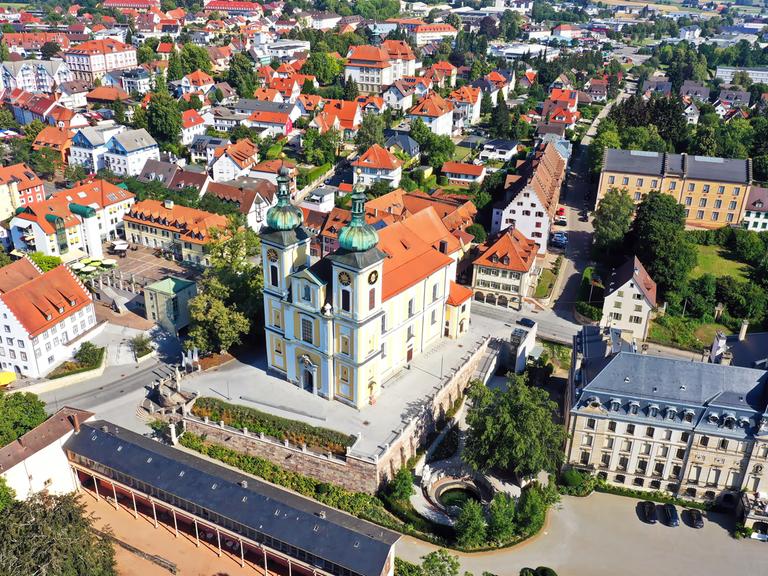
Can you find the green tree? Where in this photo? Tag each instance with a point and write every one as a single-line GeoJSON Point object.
{"type": "Point", "coordinates": [513, 430]}
{"type": "Point", "coordinates": [45, 162]}
{"type": "Point", "coordinates": [379, 188]}
{"type": "Point", "coordinates": [164, 118]}
{"type": "Point", "coordinates": [478, 232]}
{"type": "Point", "coordinates": [440, 563]}
{"type": "Point", "coordinates": [401, 486]}
{"type": "Point", "coordinates": [7, 494]}
{"type": "Point", "coordinates": [49, 50]}
{"type": "Point", "coordinates": [486, 104]}
{"type": "Point", "coordinates": [43, 261]}
{"type": "Point", "coordinates": [53, 535]}
{"type": "Point", "coordinates": [605, 139]}
{"type": "Point", "coordinates": [438, 150]}
{"type": "Point", "coordinates": [658, 239]}
{"type": "Point", "coordinates": [145, 54]}
{"type": "Point", "coordinates": [371, 132]}
{"type": "Point", "coordinates": [323, 66]}
{"type": "Point", "coordinates": [350, 90]}
{"type": "Point", "coordinates": [470, 525]}
{"type": "Point", "coordinates": [501, 518]}
{"type": "Point", "coordinates": [4, 258]}
{"type": "Point", "coordinates": [32, 129]}
{"type": "Point", "coordinates": [193, 58]}
{"type": "Point", "coordinates": [7, 121]}
{"type": "Point", "coordinates": [175, 69]}
{"type": "Point", "coordinates": [704, 140]}
{"type": "Point", "coordinates": [613, 220]}
{"type": "Point", "coordinates": [319, 148]}
{"type": "Point", "coordinates": [19, 413]}
{"type": "Point", "coordinates": [215, 327]}
{"type": "Point", "coordinates": [241, 75]}
{"type": "Point", "coordinates": [500, 120]}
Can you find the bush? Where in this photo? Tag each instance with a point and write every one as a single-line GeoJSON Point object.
{"type": "Point", "coordinates": [653, 496]}
{"type": "Point", "coordinates": [572, 478]}
{"type": "Point", "coordinates": [141, 345]}
{"type": "Point", "coordinates": [589, 311]}
{"type": "Point", "coordinates": [401, 486]}
{"type": "Point", "coordinates": [471, 529]}
{"type": "Point", "coordinates": [88, 354]}
{"type": "Point", "coordinates": [88, 357]}
{"type": "Point", "coordinates": [447, 447]}
{"type": "Point", "coordinates": [742, 531]}
{"type": "Point", "coordinates": [405, 568]}
{"type": "Point", "coordinates": [298, 433]}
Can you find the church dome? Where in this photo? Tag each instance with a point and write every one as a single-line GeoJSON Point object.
{"type": "Point", "coordinates": [358, 236]}
{"type": "Point", "coordinates": [284, 216]}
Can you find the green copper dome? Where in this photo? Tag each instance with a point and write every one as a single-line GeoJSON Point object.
{"type": "Point", "coordinates": [284, 216]}
{"type": "Point", "coordinates": [357, 236]}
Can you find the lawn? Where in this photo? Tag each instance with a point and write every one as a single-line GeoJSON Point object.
{"type": "Point", "coordinates": [546, 282]}
{"type": "Point", "coordinates": [717, 261]}
{"type": "Point", "coordinates": [706, 332]}
{"type": "Point", "coordinates": [684, 333]}
{"type": "Point", "coordinates": [461, 153]}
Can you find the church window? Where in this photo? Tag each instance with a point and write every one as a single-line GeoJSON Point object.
{"type": "Point", "coordinates": [306, 330]}
{"type": "Point", "coordinates": [434, 316]}
{"type": "Point", "coordinates": [372, 299]}
{"type": "Point", "coordinates": [344, 374]}
{"type": "Point", "coordinates": [306, 293]}
{"type": "Point", "coordinates": [273, 276]}
{"type": "Point", "coordinates": [346, 300]}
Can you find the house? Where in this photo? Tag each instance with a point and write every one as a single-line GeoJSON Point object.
{"type": "Point", "coordinates": [691, 113]}
{"type": "Point", "coordinates": [269, 170]}
{"type": "Point", "coordinates": [234, 160]}
{"type": "Point", "coordinates": [203, 148]}
{"type": "Point", "coordinates": [502, 272]}
{"type": "Point", "coordinates": [463, 174]}
{"type": "Point", "coordinates": [274, 123]}
{"type": "Point", "coordinates": [36, 461]}
{"type": "Point", "coordinates": [567, 100]}
{"type": "Point", "coordinates": [528, 79]}
{"type": "Point", "coordinates": [89, 145]}
{"type": "Point", "coordinates": [401, 57]}
{"type": "Point", "coordinates": [128, 151]}
{"type": "Point", "coordinates": [106, 95]}
{"type": "Point", "coordinates": [72, 94]}
{"type": "Point", "coordinates": [136, 81]}
{"type": "Point", "coordinates": [566, 32]}
{"type": "Point", "coordinates": [46, 317]}
{"type": "Point", "coordinates": [377, 164]}
{"type": "Point", "coordinates": [158, 171]}
{"type": "Point", "coordinates": [499, 149]}
{"type": "Point", "coordinates": [371, 104]}
{"type": "Point", "coordinates": [443, 74]}
{"type": "Point", "coordinates": [56, 139]}
{"type": "Point", "coordinates": [466, 106]}
{"type": "Point", "coordinates": [402, 142]}
{"type": "Point", "coordinates": [253, 198]}
{"type": "Point", "coordinates": [190, 179]}
{"type": "Point", "coordinates": [630, 299]}
{"type": "Point", "coordinates": [184, 232]}
{"type": "Point", "coordinates": [531, 196]}
{"type": "Point", "coordinates": [197, 82]}
{"type": "Point", "coordinates": [659, 85]}
{"type": "Point", "coordinates": [268, 95]}
{"type": "Point", "coordinates": [694, 91]}
{"type": "Point", "coordinates": [30, 43]}
{"type": "Point", "coordinates": [399, 96]}
{"type": "Point", "coordinates": [689, 33]}
{"type": "Point", "coordinates": [26, 186]}
{"type": "Point", "coordinates": [93, 59]}
{"type": "Point", "coordinates": [597, 88]}
{"type": "Point", "coordinates": [167, 302]}
{"type": "Point", "coordinates": [192, 124]}
{"type": "Point", "coordinates": [370, 68]}
{"type": "Point", "coordinates": [424, 34]}
{"type": "Point", "coordinates": [756, 209]}
{"type": "Point", "coordinates": [342, 115]}
{"type": "Point", "coordinates": [736, 98]}
{"type": "Point", "coordinates": [34, 76]}
{"type": "Point", "coordinates": [435, 112]}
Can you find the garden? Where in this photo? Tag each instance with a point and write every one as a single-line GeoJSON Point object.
{"type": "Point", "coordinates": [88, 357]}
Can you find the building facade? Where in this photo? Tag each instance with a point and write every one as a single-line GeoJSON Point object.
{"type": "Point", "coordinates": [756, 212]}
{"type": "Point", "coordinates": [128, 151]}
{"type": "Point", "coordinates": [630, 299]}
{"type": "Point", "coordinates": [167, 302]}
{"type": "Point", "coordinates": [35, 76]}
{"type": "Point", "coordinates": [93, 59]}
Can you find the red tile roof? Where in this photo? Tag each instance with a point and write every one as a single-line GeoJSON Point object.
{"type": "Point", "coordinates": [191, 118]}
{"type": "Point", "coordinates": [511, 250]}
{"type": "Point", "coordinates": [378, 157]}
{"type": "Point", "coordinates": [398, 49]}
{"type": "Point", "coordinates": [368, 56]}
{"type": "Point", "coordinates": [192, 224]}
{"type": "Point", "coordinates": [458, 294]}
{"type": "Point", "coordinates": [466, 94]}
{"type": "Point", "coordinates": [108, 46]}
{"type": "Point", "coordinates": [199, 78]}
{"type": "Point", "coordinates": [107, 94]}
{"type": "Point", "coordinates": [432, 105]}
{"type": "Point", "coordinates": [24, 176]}
{"type": "Point", "coordinates": [462, 168]}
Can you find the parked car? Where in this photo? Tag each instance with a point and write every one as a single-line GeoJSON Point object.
{"type": "Point", "coordinates": [670, 515]}
{"type": "Point", "coordinates": [560, 211]}
{"type": "Point", "coordinates": [648, 511]}
{"type": "Point", "coordinates": [561, 222]}
{"type": "Point", "coordinates": [527, 322]}
{"type": "Point", "coordinates": [697, 520]}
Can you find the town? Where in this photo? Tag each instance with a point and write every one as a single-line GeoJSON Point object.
{"type": "Point", "coordinates": [383, 288]}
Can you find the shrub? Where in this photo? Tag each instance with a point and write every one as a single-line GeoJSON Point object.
{"type": "Point", "coordinates": [298, 433]}
{"type": "Point", "coordinates": [654, 495]}
{"type": "Point", "coordinates": [589, 311]}
{"type": "Point", "coordinates": [742, 531]}
{"type": "Point", "coordinates": [471, 529]}
{"type": "Point", "coordinates": [141, 345]}
{"type": "Point", "coordinates": [401, 486]}
{"type": "Point", "coordinates": [572, 478]}
{"type": "Point", "coordinates": [88, 357]}
{"type": "Point", "coordinates": [405, 568]}
{"type": "Point", "coordinates": [88, 354]}
{"type": "Point", "coordinates": [447, 447]}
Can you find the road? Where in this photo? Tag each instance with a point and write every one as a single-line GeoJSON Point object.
{"type": "Point", "coordinates": [601, 535]}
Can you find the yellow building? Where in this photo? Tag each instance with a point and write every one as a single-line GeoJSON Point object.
{"type": "Point", "coordinates": [712, 190]}
{"type": "Point", "coordinates": [342, 326]}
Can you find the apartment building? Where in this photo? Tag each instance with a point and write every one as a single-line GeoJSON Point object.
{"type": "Point", "coordinates": [93, 59]}
{"type": "Point", "coordinates": [630, 298]}
{"type": "Point", "coordinates": [714, 191]}
{"type": "Point", "coordinates": [89, 145]}
{"type": "Point", "coordinates": [128, 151]}
{"type": "Point", "coordinates": [370, 68]}
{"type": "Point", "coordinates": [24, 186]}
{"type": "Point", "coordinates": [30, 43]}
{"type": "Point", "coordinates": [424, 34]}
{"type": "Point", "coordinates": [35, 76]}
{"type": "Point", "coordinates": [697, 432]}
{"type": "Point", "coordinates": [756, 213]}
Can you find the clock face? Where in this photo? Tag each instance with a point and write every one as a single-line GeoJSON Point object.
{"type": "Point", "coordinates": [372, 277]}
{"type": "Point", "coordinates": [272, 255]}
{"type": "Point", "coordinates": [345, 279]}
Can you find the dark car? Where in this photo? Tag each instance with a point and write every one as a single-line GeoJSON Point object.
{"type": "Point", "coordinates": [527, 322]}
{"type": "Point", "coordinates": [697, 520]}
{"type": "Point", "coordinates": [648, 510]}
{"type": "Point", "coordinates": [670, 514]}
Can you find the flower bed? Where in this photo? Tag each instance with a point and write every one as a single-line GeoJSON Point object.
{"type": "Point", "coordinates": [297, 433]}
{"type": "Point", "coordinates": [89, 357]}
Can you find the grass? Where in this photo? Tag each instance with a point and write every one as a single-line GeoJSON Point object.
{"type": "Point", "coordinates": [274, 151]}
{"type": "Point", "coordinates": [78, 365]}
{"type": "Point", "coordinates": [461, 153]}
{"type": "Point", "coordinates": [706, 332]}
{"type": "Point", "coordinates": [546, 282]}
{"type": "Point", "coordinates": [558, 354]}
{"type": "Point", "coordinates": [684, 333]}
{"type": "Point", "coordinates": [717, 261]}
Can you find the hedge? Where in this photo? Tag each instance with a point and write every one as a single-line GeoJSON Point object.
{"type": "Point", "coordinates": [71, 367]}
{"type": "Point", "coordinates": [306, 177]}
{"type": "Point", "coordinates": [653, 496]}
{"type": "Point", "coordinates": [298, 433]}
{"type": "Point", "coordinates": [591, 312]}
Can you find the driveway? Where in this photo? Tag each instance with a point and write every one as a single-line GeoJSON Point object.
{"type": "Point", "coordinates": [601, 535]}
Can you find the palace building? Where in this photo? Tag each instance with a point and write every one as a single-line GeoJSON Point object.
{"type": "Point", "coordinates": [343, 325]}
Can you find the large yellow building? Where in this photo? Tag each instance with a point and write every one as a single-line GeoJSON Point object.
{"type": "Point", "coordinates": [342, 326]}
{"type": "Point", "coordinates": [712, 190]}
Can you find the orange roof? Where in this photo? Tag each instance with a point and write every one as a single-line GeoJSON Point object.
{"type": "Point", "coordinates": [199, 78]}
{"type": "Point", "coordinates": [432, 105]}
{"type": "Point", "coordinates": [24, 176]}
{"type": "Point", "coordinates": [192, 224]}
{"type": "Point", "coordinates": [444, 66]}
{"type": "Point", "coordinates": [378, 157]}
{"type": "Point", "coordinates": [345, 110]}
{"type": "Point", "coordinates": [18, 272]}
{"type": "Point", "coordinates": [266, 94]}
{"type": "Point", "coordinates": [462, 168]}
{"type": "Point", "coordinates": [434, 28]}
{"type": "Point", "coordinates": [108, 46]}
{"type": "Point", "coordinates": [268, 117]}
{"type": "Point", "coordinates": [467, 94]}
{"type": "Point", "coordinates": [530, 75]}
{"type": "Point", "coordinates": [47, 299]}
{"type": "Point", "coordinates": [165, 48]}
{"type": "Point", "coordinates": [368, 56]}
{"type": "Point", "coordinates": [561, 95]}
{"type": "Point", "coordinates": [107, 94]}
{"type": "Point", "coordinates": [53, 137]}
{"type": "Point", "coordinates": [376, 101]}
{"type": "Point", "coordinates": [310, 101]}
{"type": "Point", "coordinates": [458, 294]}
{"type": "Point", "coordinates": [243, 152]}
{"type": "Point", "coordinates": [398, 49]}
{"type": "Point", "coordinates": [510, 251]}
{"type": "Point", "coordinates": [272, 166]}
{"type": "Point", "coordinates": [191, 118]}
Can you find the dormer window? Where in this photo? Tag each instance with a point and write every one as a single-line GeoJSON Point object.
{"type": "Point", "coordinates": [615, 404]}
{"type": "Point", "coordinates": [306, 293]}
{"type": "Point", "coordinates": [688, 417]}
{"type": "Point", "coordinates": [633, 408]}
{"type": "Point", "coordinates": [653, 411]}
{"type": "Point", "coordinates": [594, 402]}
{"type": "Point", "coordinates": [671, 412]}
{"type": "Point", "coordinates": [713, 418]}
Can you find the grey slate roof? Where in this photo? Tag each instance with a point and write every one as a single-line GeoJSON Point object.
{"type": "Point", "coordinates": [132, 140]}
{"type": "Point", "coordinates": [661, 163]}
{"type": "Point", "coordinates": [349, 542]}
{"type": "Point", "coordinates": [758, 199]}
{"type": "Point", "coordinates": [404, 142]}
{"type": "Point", "coordinates": [51, 66]}
{"type": "Point", "coordinates": [158, 170]}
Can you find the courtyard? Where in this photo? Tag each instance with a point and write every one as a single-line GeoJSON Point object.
{"type": "Point", "coordinates": [141, 263]}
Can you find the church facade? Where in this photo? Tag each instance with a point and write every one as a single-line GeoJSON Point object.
{"type": "Point", "coordinates": [343, 325]}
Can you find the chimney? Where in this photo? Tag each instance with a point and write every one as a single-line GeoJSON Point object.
{"type": "Point", "coordinates": [73, 418]}
{"type": "Point", "coordinates": [726, 358]}
{"type": "Point", "coordinates": [168, 204]}
{"type": "Point", "coordinates": [743, 330]}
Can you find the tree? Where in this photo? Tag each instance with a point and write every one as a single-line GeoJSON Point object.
{"type": "Point", "coordinates": [53, 535]}
{"type": "Point", "coordinates": [19, 413]}
{"type": "Point", "coordinates": [323, 66]}
{"type": "Point", "coordinates": [7, 494]}
{"type": "Point", "coordinates": [371, 132]}
{"type": "Point", "coordinates": [401, 486]}
{"type": "Point", "coordinates": [4, 258]}
{"type": "Point", "coordinates": [43, 261]}
{"type": "Point", "coordinates": [7, 121]}
{"type": "Point", "coordinates": [440, 563]}
{"type": "Point", "coordinates": [605, 139]}
{"type": "Point", "coordinates": [379, 188]}
{"type": "Point", "coordinates": [500, 120]}
{"type": "Point", "coordinates": [470, 525]}
{"type": "Point", "coordinates": [478, 232]}
{"type": "Point", "coordinates": [49, 50]}
{"type": "Point", "coordinates": [145, 54]}
{"type": "Point", "coordinates": [613, 220]}
{"type": "Point", "coordinates": [658, 239]}
{"type": "Point", "coordinates": [193, 58]}
{"type": "Point", "coordinates": [45, 162]}
{"type": "Point", "coordinates": [321, 148]}
{"type": "Point", "coordinates": [501, 518]}
{"type": "Point", "coordinates": [164, 118]}
{"type": "Point", "coordinates": [486, 104]}
{"type": "Point", "coordinates": [241, 75]}
{"type": "Point", "coordinates": [420, 132]}
{"type": "Point", "coordinates": [350, 91]}
{"type": "Point", "coordinates": [32, 129]}
{"type": "Point", "coordinates": [215, 326]}
{"type": "Point", "coordinates": [513, 429]}
{"type": "Point", "coordinates": [175, 69]}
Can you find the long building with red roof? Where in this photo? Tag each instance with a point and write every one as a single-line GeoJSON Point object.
{"type": "Point", "coordinates": [93, 59]}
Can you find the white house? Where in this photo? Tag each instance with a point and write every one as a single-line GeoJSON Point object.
{"type": "Point", "coordinates": [463, 174]}
{"type": "Point", "coordinates": [192, 124]}
{"type": "Point", "coordinates": [253, 198]}
{"type": "Point", "coordinates": [377, 164]}
{"type": "Point", "coordinates": [370, 68]}
{"type": "Point", "coordinates": [630, 298]}
{"type": "Point", "coordinates": [93, 59]}
{"type": "Point", "coordinates": [692, 113]}
{"type": "Point", "coordinates": [756, 209]}
{"type": "Point", "coordinates": [466, 106]}
{"type": "Point", "coordinates": [436, 112]}
{"type": "Point", "coordinates": [196, 82]}
{"type": "Point", "coordinates": [89, 145]}
{"type": "Point", "coordinates": [35, 75]}
{"type": "Point", "coordinates": [399, 96]}
{"type": "Point", "coordinates": [128, 151]}
{"type": "Point", "coordinates": [427, 33]}
{"type": "Point", "coordinates": [45, 317]}
{"type": "Point", "coordinates": [37, 460]}
{"type": "Point", "coordinates": [235, 161]}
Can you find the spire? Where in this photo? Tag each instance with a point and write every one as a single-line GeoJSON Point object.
{"type": "Point", "coordinates": [284, 216]}
{"type": "Point", "coordinates": [358, 236]}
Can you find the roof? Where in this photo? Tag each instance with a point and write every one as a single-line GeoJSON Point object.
{"type": "Point", "coordinates": [458, 294]}
{"type": "Point", "coordinates": [243, 196]}
{"type": "Point", "coordinates": [170, 285]}
{"type": "Point", "coordinates": [432, 105]}
{"type": "Point", "coordinates": [192, 224]}
{"type": "Point", "coordinates": [132, 140]}
{"type": "Point", "coordinates": [96, 191]}
{"type": "Point", "coordinates": [53, 137]}
{"type": "Point", "coordinates": [427, 28]}
{"type": "Point", "coordinates": [45, 300]}
{"type": "Point", "coordinates": [398, 49]}
{"type": "Point", "coordinates": [158, 170]}
{"type": "Point", "coordinates": [191, 118]}
{"type": "Point", "coordinates": [462, 168]}
{"type": "Point", "coordinates": [107, 94]}
{"type": "Point", "coordinates": [368, 56]}
{"type": "Point", "coordinates": [632, 271]}
{"type": "Point", "coordinates": [243, 152]}
{"type": "Point", "coordinates": [758, 199]}
{"type": "Point", "coordinates": [510, 250]}
{"type": "Point", "coordinates": [199, 78]}
{"type": "Point", "coordinates": [468, 94]}
{"type": "Point", "coordinates": [106, 46]}
{"type": "Point", "coordinates": [378, 157]}
{"type": "Point", "coordinates": [24, 176]}
{"type": "Point", "coordinates": [54, 428]}
{"type": "Point", "coordinates": [188, 178]}
{"type": "Point", "coordinates": [357, 545]}
{"type": "Point", "coordinates": [661, 163]}
{"type": "Point", "coordinates": [16, 273]}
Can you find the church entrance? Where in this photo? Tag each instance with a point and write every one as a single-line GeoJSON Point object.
{"type": "Point", "coordinates": [308, 374]}
{"type": "Point", "coordinates": [309, 380]}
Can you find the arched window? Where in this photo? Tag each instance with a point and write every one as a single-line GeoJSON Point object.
{"type": "Point", "coordinates": [372, 299]}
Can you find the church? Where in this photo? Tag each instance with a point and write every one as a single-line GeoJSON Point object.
{"type": "Point", "coordinates": [343, 325]}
